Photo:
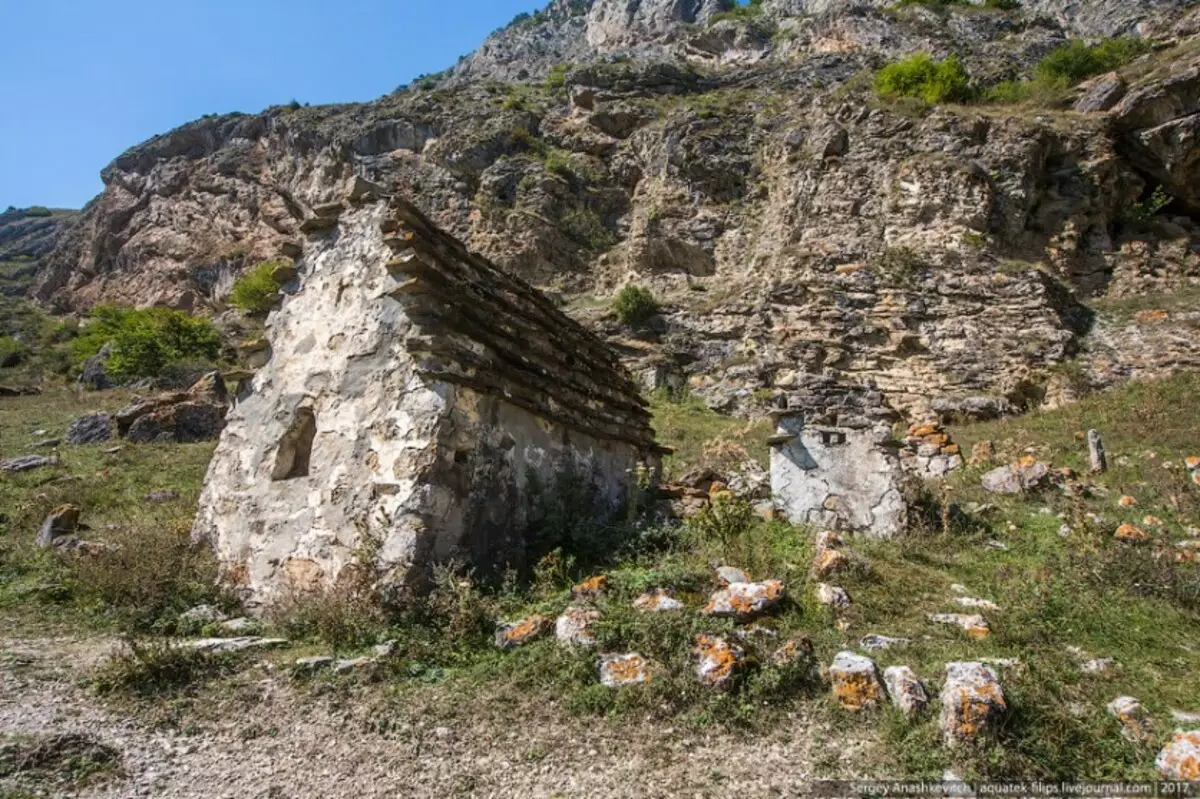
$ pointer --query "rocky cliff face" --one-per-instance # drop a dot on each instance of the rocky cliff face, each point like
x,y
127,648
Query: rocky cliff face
x,y
978,257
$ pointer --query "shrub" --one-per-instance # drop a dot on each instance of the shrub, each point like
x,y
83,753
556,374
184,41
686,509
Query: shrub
x,y
921,77
158,667
634,305
1076,61
586,227
1139,213
145,340
556,78
256,291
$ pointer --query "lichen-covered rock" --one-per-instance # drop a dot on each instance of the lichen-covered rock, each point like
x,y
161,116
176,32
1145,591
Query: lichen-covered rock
x,y
181,417
830,562
91,429
591,588
855,681
617,670
517,633
59,525
880,643
1135,721
795,651
658,601
973,625
717,660
833,596
929,452
575,626
1028,474
905,689
745,601
975,603
1131,534
972,702
727,575
1180,759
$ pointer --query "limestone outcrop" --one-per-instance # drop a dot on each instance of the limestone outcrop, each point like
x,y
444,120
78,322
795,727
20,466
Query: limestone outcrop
x,y
416,404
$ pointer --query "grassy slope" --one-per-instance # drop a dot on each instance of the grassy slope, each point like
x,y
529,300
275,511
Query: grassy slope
x,y
1084,590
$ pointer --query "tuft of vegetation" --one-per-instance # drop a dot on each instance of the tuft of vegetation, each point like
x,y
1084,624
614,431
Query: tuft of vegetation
x,y
742,13
1076,60
556,78
145,340
586,227
1144,210
153,668
256,291
634,305
1001,5
922,78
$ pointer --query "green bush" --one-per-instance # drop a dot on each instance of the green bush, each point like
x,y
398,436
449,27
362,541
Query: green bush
x,y
256,291
557,77
635,304
144,340
1139,213
1076,61
921,77
586,227
746,12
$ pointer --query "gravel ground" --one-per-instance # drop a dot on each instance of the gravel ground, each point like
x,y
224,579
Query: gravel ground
x,y
260,736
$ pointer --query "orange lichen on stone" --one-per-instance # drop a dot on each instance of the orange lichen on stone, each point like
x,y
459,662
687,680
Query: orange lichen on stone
x,y
618,670
1127,532
922,430
521,632
1192,463
1180,759
1127,501
1153,521
951,449
718,660
855,681
590,588
971,702
1155,315
745,600
829,562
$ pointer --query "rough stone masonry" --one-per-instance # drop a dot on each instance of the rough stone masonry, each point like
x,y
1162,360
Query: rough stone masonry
x,y
416,403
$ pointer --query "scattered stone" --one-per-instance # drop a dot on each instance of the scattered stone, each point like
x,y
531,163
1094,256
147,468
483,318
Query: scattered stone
x,y
745,601
60,524
197,414
309,665
1131,534
972,702
47,443
855,681
591,588
517,633
628,669
1064,530
1185,718
906,690
972,602
830,562
95,373
717,660
386,649
239,626
727,575
91,429
959,588
202,614
833,596
574,626
1100,666
1127,501
973,625
1135,721
879,643
1180,759
828,539
1028,474
350,665
1192,463
754,631
658,601
793,651
239,644
162,496
999,546
1153,521
1096,456
983,453
26,463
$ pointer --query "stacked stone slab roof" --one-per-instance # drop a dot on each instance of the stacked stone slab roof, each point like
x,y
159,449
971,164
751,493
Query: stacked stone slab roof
x,y
479,327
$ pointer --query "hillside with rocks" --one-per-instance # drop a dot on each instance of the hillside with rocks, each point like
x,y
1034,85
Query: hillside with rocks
x,y
672,396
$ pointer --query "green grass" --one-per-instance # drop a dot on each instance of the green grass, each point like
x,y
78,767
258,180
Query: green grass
x,y
702,437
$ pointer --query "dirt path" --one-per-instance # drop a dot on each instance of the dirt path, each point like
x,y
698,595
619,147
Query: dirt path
x,y
263,738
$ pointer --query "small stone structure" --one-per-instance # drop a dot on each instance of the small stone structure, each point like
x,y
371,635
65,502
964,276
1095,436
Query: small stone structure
x,y
834,462
415,404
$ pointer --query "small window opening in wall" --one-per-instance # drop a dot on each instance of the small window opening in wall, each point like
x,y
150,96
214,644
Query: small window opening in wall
x,y
832,438
295,448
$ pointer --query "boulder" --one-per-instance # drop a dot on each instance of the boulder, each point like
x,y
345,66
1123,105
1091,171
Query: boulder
x,y
972,703
833,596
574,626
25,463
1179,760
59,526
197,414
906,690
1101,94
1028,474
95,374
717,660
879,643
91,429
1135,721
658,601
518,633
973,625
855,681
591,588
727,575
745,601
617,670
795,651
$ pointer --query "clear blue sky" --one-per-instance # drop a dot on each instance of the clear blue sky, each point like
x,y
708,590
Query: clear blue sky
x,y
82,80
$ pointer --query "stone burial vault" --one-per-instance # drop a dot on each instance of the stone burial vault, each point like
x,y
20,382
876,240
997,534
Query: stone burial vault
x,y
416,401
834,462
